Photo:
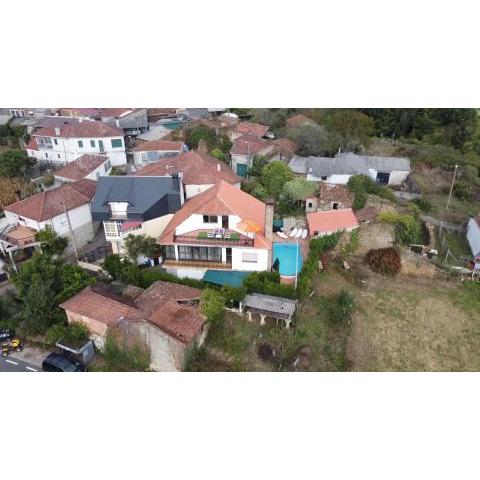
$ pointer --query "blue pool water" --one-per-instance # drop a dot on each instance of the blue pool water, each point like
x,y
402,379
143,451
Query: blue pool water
x,y
287,256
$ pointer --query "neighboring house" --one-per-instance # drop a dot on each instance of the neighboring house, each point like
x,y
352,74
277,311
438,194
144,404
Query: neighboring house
x,y
256,129
135,205
299,120
65,143
86,166
148,152
156,114
244,149
163,319
206,233
329,197
199,172
65,209
473,237
132,120
331,221
283,149
338,170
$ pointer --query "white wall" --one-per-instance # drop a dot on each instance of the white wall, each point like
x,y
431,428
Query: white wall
x,y
334,179
238,264
473,236
141,158
398,177
67,150
195,273
192,190
101,170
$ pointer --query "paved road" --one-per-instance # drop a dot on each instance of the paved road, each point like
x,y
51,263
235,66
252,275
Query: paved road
x,y
11,364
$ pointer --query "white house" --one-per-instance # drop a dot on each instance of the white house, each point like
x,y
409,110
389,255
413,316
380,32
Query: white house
x,y
65,209
473,237
65,143
149,152
198,170
86,166
338,170
209,233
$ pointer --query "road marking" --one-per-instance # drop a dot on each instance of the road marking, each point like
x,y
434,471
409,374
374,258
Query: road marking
x,y
31,369
11,361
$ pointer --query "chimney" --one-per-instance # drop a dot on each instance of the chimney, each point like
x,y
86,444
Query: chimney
x,y
202,147
57,131
218,167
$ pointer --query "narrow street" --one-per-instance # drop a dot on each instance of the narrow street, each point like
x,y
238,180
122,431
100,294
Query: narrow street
x,y
12,364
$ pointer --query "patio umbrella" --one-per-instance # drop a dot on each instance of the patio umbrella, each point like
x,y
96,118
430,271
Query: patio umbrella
x,y
249,226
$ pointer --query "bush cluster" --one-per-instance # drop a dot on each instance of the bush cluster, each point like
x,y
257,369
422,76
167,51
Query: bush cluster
x,y
318,246
361,185
341,308
269,284
408,228
384,260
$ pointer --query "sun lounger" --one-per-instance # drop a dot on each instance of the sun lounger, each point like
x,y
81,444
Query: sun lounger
x,y
299,233
227,236
293,232
282,235
210,235
304,234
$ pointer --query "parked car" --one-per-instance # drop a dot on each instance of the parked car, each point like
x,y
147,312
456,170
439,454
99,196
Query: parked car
x,y
6,334
61,363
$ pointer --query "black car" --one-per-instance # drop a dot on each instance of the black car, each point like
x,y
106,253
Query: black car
x,y
60,363
6,334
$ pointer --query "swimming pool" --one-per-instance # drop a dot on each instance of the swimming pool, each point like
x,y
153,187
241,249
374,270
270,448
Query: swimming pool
x,y
287,256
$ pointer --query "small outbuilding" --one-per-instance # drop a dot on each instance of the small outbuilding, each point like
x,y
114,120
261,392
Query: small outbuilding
x,y
269,306
331,221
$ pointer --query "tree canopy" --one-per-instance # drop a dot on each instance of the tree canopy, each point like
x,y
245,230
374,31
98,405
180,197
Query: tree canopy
x,y
12,163
274,177
137,245
298,189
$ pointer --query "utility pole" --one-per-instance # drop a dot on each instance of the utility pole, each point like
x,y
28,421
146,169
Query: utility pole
x,y
71,231
451,188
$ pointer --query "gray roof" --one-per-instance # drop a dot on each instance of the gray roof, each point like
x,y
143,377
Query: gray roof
x,y
148,197
4,119
155,133
283,306
347,164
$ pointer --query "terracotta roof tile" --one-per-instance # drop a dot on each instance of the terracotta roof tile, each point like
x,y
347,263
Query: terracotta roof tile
x,y
221,199
284,147
250,144
159,145
298,120
49,204
81,167
197,169
331,221
86,128
253,128
32,144
334,193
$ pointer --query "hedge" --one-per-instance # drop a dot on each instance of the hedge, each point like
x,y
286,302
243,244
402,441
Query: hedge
x,y
269,284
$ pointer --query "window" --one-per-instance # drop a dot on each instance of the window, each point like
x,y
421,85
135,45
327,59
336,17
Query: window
x,y
170,252
202,254
335,205
55,141
80,144
323,178
249,257
110,229
210,219
44,142
92,143
310,205
117,143
100,145
59,156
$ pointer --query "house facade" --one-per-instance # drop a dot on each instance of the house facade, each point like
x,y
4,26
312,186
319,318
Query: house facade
x,y
473,238
86,166
135,205
331,221
329,197
64,144
244,149
338,170
148,152
210,233
198,170
65,209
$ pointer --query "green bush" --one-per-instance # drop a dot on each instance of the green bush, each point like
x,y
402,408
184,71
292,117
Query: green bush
x,y
73,335
218,154
233,295
423,204
122,358
359,200
269,284
212,305
48,180
384,260
340,310
462,190
408,229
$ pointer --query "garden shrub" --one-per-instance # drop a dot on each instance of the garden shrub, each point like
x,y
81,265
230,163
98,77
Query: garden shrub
x,y
423,204
341,308
269,284
212,304
233,295
218,154
122,358
74,334
408,229
384,260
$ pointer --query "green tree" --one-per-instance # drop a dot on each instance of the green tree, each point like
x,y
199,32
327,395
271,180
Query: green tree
x,y
114,265
274,176
212,304
314,140
298,189
12,163
137,245
218,154
193,135
74,279
52,243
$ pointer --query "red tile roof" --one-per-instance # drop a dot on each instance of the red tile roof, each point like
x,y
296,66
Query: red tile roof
x,y
253,128
81,167
221,199
250,144
86,128
159,145
159,305
331,221
334,193
284,147
197,168
46,205
32,144
99,112
298,120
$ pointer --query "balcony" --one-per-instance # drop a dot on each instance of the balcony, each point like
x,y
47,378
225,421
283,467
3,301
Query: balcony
x,y
198,264
18,235
215,238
